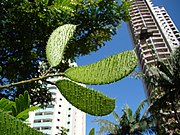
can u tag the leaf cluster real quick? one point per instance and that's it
(20, 108)
(108, 70)
(10, 125)
(26, 25)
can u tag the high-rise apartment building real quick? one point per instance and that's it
(60, 114)
(153, 33)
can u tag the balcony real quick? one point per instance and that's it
(43, 124)
(43, 117)
(46, 110)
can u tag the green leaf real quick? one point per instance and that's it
(85, 99)
(64, 5)
(25, 114)
(12, 126)
(57, 43)
(139, 108)
(14, 112)
(0, 68)
(128, 112)
(108, 70)
(3, 103)
(21, 100)
(18, 105)
(92, 131)
(6, 104)
(26, 99)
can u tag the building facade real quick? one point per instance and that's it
(153, 33)
(59, 114)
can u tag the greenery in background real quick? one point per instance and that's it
(13, 113)
(20, 108)
(26, 25)
(164, 80)
(10, 125)
(128, 123)
(63, 131)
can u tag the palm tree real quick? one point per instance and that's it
(164, 78)
(127, 124)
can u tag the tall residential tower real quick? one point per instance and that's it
(153, 32)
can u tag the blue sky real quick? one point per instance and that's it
(129, 90)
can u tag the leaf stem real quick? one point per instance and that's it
(31, 80)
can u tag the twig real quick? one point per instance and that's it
(31, 80)
(47, 71)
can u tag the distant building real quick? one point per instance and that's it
(153, 33)
(60, 114)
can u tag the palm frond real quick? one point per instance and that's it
(128, 112)
(165, 68)
(104, 122)
(140, 107)
(107, 129)
(116, 116)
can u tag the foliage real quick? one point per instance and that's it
(57, 43)
(85, 99)
(108, 70)
(26, 25)
(92, 131)
(128, 123)
(164, 79)
(6, 105)
(63, 131)
(105, 71)
(10, 125)
(20, 108)
(103, 104)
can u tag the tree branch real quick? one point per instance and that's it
(31, 80)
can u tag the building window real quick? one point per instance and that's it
(59, 105)
(57, 127)
(37, 121)
(47, 120)
(58, 119)
(39, 113)
(59, 112)
(48, 113)
(60, 99)
(68, 122)
(46, 128)
(53, 93)
(69, 115)
(69, 108)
